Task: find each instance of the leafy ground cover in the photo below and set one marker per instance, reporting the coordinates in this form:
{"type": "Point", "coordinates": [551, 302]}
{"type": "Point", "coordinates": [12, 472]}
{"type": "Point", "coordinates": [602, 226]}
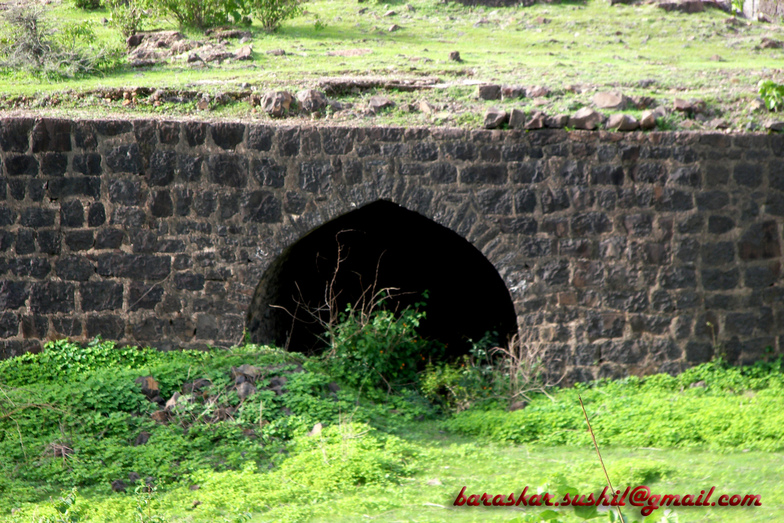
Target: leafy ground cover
{"type": "Point", "coordinates": [258, 434]}
{"type": "Point", "coordinates": [574, 49]}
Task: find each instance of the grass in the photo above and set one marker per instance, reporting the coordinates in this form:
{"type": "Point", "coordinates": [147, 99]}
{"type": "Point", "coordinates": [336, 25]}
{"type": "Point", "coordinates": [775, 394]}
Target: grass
{"type": "Point", "coordinates": [379, 457]}
{"type": "Point", "coordinates": [573, 48]}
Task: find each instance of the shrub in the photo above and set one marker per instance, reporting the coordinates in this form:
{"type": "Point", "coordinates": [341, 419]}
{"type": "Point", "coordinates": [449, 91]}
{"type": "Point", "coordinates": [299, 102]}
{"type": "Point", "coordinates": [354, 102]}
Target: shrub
{"type": "Point", "coordinates": [32, 44]}
{"type": "Point", "coordinates": [374, 346]}
{"type": "Point", "coordinates": [87, 5]}
{"type": "Point", "coordinates": [129, 16]}
{"type": "Point", "coordinates": [271, 13]}
{"type": "Point", "coordinates": [772, 94]}
{"type": "Point", "coordinates": [204, 14]}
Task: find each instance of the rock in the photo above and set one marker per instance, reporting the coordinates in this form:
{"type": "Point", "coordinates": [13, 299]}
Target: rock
{"type": "Point", "coordinates": [773, 125]}
{"type": "Point", "coordinates": [647, 120]}
{"type": "Point", "coordinates": [278, 381]}
{"type": "Point", "coordinates": [218, 55]}
{"type": "Point", "coordinates": [393, 28]}
{"type": "Point", "coordinates": [196, 386]}
{"type": "Point", "coordinates": [133, 477]}
{"type": "Point", "coordinates": [315, 431]}
{"type": "Point", "coordinates": [427, 108]}
{"type": "Point", "coordinates": [250, 372]}
{"type": "Point", "coordinates": [536, 121]}
{"type": "Point", "coordinates": [149, 386]}
{"type": "Point", "coordinates": [118, 485]}
{"type": "Point", "coordinates": [512, 92]}
{"type": "Point", "coordinates": [518, 405]}
{"type": "Point", "coordinates": [537, 91]}
{"type": "Point", "coordinates": [455, 56]}
{"type": "Point", "coordinates": [610, 100]}
{"type": "Point", "coordinates": [622, 122]}
{"type": "Point", "coordinates": [586, 118]}
{"type": "Point", "coordinates": [194, 57]}
{"type": "Point", "coordinates": [172, 402]}
{"type": "Point", "coordinates": [227, 33]}
{"type": "Point", "coordinates": [558, 121]}
{"type": "Point", "coordinates": [276, 103]}
{"type": "Point", "coordinates": [312, 101]}
{"type": "Point", "coordinates": [716, 58]}
{"type": "Point", "coordinates": [488, 92]}
{"type": "Point", "coordinates": [718, 123]}
{"type": "Point", "coordinates": [770, 43]}
{"type": "Point", "coordinates": [378, 103]}
{"type": "Point", "coordinates": [495, 118]}
{"type": "Point", "coordinates": [141, 439]}
{"type": "Point", "coordinates": [161, 416]}
{"type": "Point", "coordinates": [757, 105]}
{"type": "Point", "coordinates": [642, 102]}
{"type": "Point", "coordinates": [517, 119]}
{"type": "Point", "coordinates": [276, 52]}
{"type": "Point", "coordinates": [244, 53]}
{"type": "Point", "coordinates": [246, 389]}
{"type": "Point", "coordinates": [683, 106]}
{"type": "Point", "coordinates": [698, 384]}
{"type": "Point", "coordinates": [434, 482]}
{"type": "Point", "coordinates": [684, 6]}
{"type": "Point", "coordinates": [390, 13]}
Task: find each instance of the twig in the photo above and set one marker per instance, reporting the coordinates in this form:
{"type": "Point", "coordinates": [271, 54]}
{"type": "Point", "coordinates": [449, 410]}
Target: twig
{"type": "Point", "coordinates": [596, 446]}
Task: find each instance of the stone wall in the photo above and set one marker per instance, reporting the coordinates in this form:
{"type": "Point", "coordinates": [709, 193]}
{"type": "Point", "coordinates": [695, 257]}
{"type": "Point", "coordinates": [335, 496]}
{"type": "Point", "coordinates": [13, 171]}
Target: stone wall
{"type": "Point", "coordinates": [617, 249]}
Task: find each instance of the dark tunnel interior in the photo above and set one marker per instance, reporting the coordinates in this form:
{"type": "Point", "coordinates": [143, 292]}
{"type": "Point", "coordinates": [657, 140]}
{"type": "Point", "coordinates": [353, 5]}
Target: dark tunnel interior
{"type": "Point", "coordinates": [385, 245]}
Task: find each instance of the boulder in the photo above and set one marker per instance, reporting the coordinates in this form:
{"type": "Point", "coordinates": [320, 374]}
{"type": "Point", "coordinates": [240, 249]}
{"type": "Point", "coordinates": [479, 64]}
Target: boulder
{"type": "Point", "coordinates": [488, 92]}
{"type": "Point", "coordinates": [512, 92]}
{"type": "Point", "coordinates": [586, 118]}
{"type": "Point", "coordinates": [312, 101]}
{"type": "Point", "coordinates": [537, 91]}
{"type": "Point", "coordinates": [536, 121]}
{"type": "Point", "coordinates": [558, 121]}
{"type": "Point", "coordinates": [378, 103]}
{"type": "Point", "coordinates": [622, 122]}
{"type": "Point", "coordinates": [647, 120]}
{"type": "Point", "coordinates": [517, 119]}
{"type": "Point", "coordinates": [495, 118]}
{"type": "Point", "coordinates": [244, 53]}
{"type": "Point", "coordinates": [610, 100]}
{"type": "Point", "coordinates": [276, 103]}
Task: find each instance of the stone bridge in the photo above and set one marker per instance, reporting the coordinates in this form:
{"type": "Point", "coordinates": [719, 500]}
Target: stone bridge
{"type": "Point", "coordinates": [622, 253]}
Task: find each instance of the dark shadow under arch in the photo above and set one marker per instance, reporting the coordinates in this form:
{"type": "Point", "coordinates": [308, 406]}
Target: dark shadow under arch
{"type": "Point", "coordinates": [399, 248]}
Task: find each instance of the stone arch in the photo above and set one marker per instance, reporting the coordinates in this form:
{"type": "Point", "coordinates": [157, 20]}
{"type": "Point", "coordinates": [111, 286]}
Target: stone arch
{"type": "Point", "coordinates": [400, 247]}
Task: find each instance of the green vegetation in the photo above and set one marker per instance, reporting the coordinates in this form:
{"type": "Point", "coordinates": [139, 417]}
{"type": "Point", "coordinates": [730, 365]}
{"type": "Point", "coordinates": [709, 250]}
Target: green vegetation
{"type": "Point", "coordinates": [307, 442]}
{"type": "Point", "coordinates": [575, 49]}
{"type": "Point", "coordinates": [772, 94]}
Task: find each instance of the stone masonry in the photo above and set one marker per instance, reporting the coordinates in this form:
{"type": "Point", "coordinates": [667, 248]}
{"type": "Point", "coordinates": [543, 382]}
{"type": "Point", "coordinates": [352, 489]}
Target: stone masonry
{"type": "Point", "coordinates": [618, 249]}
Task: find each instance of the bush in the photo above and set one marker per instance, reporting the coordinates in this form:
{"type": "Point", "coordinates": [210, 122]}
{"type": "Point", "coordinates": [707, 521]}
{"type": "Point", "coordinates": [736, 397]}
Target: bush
{"type": "Point", "coordinates": [88, 5]}
{"type": "Point", "coordinates": [129, 16]}
{"type": "Point", "coordinates": [375, 347]}
{"type": "Point", "coordinates": [32, 44]}
{"type": "Point", "coordinates": [271, 13]}
{"type": "Point", "coordinates": [772, 94]}
{"type": "Point", "coordinates": [204, 14]}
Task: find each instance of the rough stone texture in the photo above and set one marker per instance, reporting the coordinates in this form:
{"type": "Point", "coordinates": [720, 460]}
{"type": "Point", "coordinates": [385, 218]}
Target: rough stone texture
{"type": "Point", "coordinates": [617, 248]}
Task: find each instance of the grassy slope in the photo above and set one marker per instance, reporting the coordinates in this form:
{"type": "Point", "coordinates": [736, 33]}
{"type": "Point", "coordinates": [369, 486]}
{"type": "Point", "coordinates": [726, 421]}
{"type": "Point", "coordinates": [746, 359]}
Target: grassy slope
{"type": "Point", "coordinates": [593, 45]}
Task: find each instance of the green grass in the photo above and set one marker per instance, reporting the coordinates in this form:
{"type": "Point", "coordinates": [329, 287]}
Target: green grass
{"type": "Point", "coordinates": [376, 452]}
{"type": "Point", "coordinates": [593, 46]}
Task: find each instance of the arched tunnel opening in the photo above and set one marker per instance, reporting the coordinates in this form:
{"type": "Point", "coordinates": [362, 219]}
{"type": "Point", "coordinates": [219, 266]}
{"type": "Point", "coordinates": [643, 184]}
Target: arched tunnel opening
{"type": "Point", "coordinates": [381, 245]}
